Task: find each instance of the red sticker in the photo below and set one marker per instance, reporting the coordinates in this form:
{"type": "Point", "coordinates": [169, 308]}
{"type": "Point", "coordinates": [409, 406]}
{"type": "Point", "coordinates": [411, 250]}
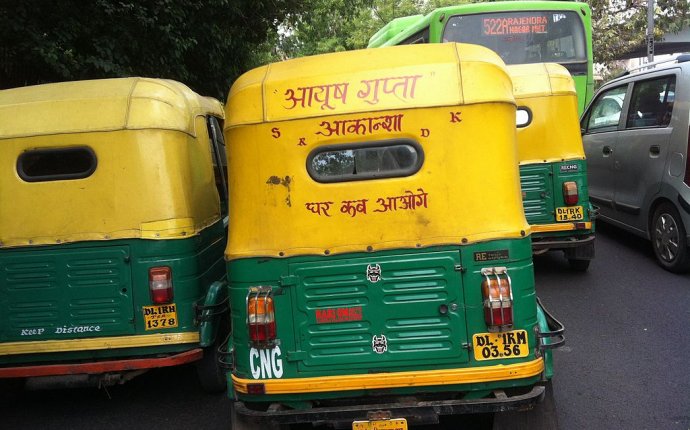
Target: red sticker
{"type": "Point", "coordinates": [336, 315]}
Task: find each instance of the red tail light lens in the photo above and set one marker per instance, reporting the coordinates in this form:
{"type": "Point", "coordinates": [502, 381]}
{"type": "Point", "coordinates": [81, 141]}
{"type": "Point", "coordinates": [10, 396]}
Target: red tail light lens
{"type": "Point", "coordinates": [261, 318]}
{"type": "Point", "coordinates": [498, 299]}
{"type": "Point", "coordinates": [160, 285]}
{"type": "Point", "coordinates": [570, 195]}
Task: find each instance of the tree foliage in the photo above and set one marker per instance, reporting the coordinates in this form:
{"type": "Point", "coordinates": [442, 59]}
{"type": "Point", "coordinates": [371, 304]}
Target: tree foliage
{"type": "Point", "coordinates": [619, 26]}
{"type": "Point", "coordinates": [208, 43]}
{"type": "Point", "coordinates": [203, 43]}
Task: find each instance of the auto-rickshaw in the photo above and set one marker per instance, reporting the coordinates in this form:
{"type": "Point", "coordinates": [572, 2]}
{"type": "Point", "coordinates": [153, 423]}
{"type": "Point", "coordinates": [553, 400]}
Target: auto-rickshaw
{"type": "Point", "coordinates": [111, 231]}
{"type": "Point", "coordinates": [379, 260]}
{"type": "Point", "coordinates": [553, 170]}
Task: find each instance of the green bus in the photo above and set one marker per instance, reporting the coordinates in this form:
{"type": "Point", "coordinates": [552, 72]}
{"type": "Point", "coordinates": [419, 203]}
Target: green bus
{"type": "Point", "coordinates": [521, 32]}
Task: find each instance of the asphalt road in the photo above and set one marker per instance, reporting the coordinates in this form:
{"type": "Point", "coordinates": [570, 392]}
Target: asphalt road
{"type": "Point", "coordinates": [626, 363]}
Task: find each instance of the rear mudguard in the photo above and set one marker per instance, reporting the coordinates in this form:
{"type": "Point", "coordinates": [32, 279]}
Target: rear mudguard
{"type": "Point", "coordinates": [208, 314]}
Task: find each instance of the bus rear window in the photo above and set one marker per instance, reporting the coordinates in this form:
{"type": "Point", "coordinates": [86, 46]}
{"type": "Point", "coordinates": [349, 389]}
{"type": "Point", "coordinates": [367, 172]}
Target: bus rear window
{"type": "Point", "coordinates": [523, 37]}
{"type": "Point", "coordinates": [358, 162]}
{"type": "Point", "coordinates": [56, 164]}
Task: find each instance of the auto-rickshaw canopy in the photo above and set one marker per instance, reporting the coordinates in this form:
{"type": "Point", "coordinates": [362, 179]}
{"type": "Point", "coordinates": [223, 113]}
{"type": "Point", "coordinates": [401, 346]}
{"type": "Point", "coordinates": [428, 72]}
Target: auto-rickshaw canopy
{"type": "Point", "coordinates": [553, 134]}
{"type": "Point", "coordinates": [448, 106]}
{"type": "Point", "coordinates": [140, 153]}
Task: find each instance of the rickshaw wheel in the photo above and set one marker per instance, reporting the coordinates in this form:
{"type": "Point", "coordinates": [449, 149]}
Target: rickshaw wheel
{"type": "Point", "coordinates": [211, 376]}
{"type": "Point", "coordinates": [542, 417]}
{"type": "Point", "coordinates": [579, 265]}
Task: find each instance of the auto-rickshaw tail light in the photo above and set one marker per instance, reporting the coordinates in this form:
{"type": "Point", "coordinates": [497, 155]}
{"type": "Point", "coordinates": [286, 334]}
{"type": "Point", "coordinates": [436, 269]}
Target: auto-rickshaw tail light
{"type": "Point", "coordinates": [570, 194]}
{"type": "Point", "coordinates": [261, 318]}
{"type": "Point", "coordinates": [160, 284]}
{"type": "Point", "coordinates": [498, 299]}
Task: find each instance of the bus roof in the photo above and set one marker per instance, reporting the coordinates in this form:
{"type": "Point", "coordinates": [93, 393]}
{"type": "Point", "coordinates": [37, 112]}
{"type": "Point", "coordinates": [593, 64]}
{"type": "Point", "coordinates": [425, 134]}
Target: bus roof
{"type": "Point", "coordinates": [395, 32]}
{"type": "Point", "coordinates": [368, 80]}
{"type": "Point", "coordinates": [102, 105]}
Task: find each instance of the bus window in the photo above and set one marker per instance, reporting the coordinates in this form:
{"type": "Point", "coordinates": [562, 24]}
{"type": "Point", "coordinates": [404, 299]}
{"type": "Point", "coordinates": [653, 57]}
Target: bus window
{"type": "Point", "coordinates": [523, 37]}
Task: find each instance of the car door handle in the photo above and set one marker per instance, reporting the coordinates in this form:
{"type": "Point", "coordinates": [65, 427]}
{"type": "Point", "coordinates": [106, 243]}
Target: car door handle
{"type": "Point", "coordinates": [607, 150]}
{"type": "Point", "coordinates": [655, 150]}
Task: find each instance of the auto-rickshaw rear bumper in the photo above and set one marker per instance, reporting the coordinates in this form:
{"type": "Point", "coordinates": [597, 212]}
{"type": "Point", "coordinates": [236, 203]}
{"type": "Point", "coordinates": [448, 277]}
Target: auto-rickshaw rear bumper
{"type": "Point", "coordinates": [101, 367]}
{"type": "Point", "coordinates": [417, 410]}
{"type": "Point", "coordinates": [576, 240]}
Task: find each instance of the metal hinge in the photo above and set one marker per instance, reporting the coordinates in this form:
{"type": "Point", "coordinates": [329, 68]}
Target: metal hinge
{"type": "Point", "coordinates": [289, 280]}
{"type": "Point", "coordinates": [296, 355]}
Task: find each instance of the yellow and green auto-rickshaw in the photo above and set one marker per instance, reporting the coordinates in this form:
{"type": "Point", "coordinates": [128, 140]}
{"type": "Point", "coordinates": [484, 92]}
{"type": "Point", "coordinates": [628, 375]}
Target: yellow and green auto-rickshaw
{"type": "Point", "coordinates": [111, 231]}
{"type": "Point", "coordinates": [553, 170]}
{"type": "Point", "coordinates": [379, 260]}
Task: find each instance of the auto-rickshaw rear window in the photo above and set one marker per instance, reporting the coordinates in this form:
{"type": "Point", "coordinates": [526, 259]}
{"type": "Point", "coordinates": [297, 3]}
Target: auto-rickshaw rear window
{"type": "Point", "coordinates": [56, 164]}
{"type": "Point", "coordinates": [365, 161]}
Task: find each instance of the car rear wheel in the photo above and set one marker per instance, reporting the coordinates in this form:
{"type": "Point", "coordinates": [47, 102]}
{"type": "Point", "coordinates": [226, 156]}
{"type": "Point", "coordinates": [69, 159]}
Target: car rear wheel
{"type": "Point", "coordinates": [669, 239]}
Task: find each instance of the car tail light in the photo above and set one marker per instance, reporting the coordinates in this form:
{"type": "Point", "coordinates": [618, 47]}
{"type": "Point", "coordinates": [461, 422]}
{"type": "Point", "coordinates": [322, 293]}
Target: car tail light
{"type": "Point", "coordinates": [498, 299]}
{"type": "Point", "coordinates": [570, 195]}
{"type": "Point", "coordinates": [261, 318]}
{"type": "Point", "coordinates": [160, 284]}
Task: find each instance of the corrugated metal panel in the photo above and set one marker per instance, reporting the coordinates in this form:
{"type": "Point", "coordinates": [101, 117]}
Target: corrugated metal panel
{"type": "Point", "coordinates": [64, 294]}
{"type": "Point", "coordinates": [403, 306]}
{"type": "Point", "coordinates": [536, 182]}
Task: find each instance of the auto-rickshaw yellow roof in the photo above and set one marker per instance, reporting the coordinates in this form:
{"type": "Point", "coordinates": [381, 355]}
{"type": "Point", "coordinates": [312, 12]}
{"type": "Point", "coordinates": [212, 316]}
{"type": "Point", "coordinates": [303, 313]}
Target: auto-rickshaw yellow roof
{"type": "Point", "coordinates": [367, 80]}
{"type": "Point", "coordinates": [102, 105]}
{"type": "Point", "coordinates": [540, 79]}
{"type": "Point", "coordinates": [553, 133]}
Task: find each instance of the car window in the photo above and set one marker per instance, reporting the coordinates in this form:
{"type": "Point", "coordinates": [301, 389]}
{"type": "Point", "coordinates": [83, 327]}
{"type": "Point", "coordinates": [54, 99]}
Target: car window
{"type": "Point", "coordinates": [606, 110]}
{"type": "Point", "coordinates": [651, 103]}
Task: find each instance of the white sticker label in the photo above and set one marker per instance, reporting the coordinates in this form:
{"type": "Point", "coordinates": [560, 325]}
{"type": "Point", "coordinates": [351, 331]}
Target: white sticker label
{"type": "Point", "coordinates": [379, 344]}
{"type": "Point", "coordinates": [373, 273]}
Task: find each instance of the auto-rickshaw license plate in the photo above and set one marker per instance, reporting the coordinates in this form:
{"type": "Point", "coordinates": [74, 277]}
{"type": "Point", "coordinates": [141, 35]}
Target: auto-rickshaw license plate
{"type": "Point", "coordinates": [392, 424]}
{"type": "Point", "coordinates": [570, 213]}
{"type": "Point", "coordinates": [160, 317]}
{"type": "Point", "coordinates": [496, 346]}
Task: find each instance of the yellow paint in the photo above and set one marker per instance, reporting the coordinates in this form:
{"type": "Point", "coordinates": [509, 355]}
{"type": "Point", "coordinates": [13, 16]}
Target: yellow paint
{"type": "Point", "coordinates": [98, 343]}
{"type": "Point", "coordinates": [554, 133]}
{"type": "Point", "coordinates": [448, 75]}
{"type": "Point", "coordinates": [464, 121]}
{"type": "Point", "coordinates": [154, 177]}
{"type": "Point", "coordinates": [565, 226]}
{"type": "Point", "coordinates": [422, 378]}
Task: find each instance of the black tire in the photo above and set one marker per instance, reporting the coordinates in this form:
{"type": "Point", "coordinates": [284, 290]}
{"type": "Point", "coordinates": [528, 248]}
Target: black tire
{"type": "Point", "coordinates": [579, 265]}
{"type": "Point", "coordinates": [669, 239]}
{"type": "Point", "coordinates": [211, 376]}
{"type": "Point", "coordinates": [542, 417]}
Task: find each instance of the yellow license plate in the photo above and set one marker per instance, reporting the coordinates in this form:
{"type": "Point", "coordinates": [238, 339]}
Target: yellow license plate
{"type": "Point", "coordinates": [160, 316]}
{"type": "Point", "coordinates": [570, 213]}
{"type": "Point", "coordinates": [392, 424]}
{"type": "Point", "coordinates": [496, 346]}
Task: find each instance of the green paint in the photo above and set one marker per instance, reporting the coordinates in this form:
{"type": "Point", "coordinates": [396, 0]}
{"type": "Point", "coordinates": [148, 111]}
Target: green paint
{"type": "Point", "coordinates": [102, 284]}
{"type": "Point", "coordinates": [428, 304]}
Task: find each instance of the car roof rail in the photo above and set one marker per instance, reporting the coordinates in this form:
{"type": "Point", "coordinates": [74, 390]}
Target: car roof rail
{"type": "Point", "coordinates": [680, 58]}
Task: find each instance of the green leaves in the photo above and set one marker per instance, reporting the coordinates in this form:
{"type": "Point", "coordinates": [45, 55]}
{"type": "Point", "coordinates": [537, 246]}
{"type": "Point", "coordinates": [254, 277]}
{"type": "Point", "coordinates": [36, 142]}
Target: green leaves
{"type": "Point", "coordinates": [205, 44]}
